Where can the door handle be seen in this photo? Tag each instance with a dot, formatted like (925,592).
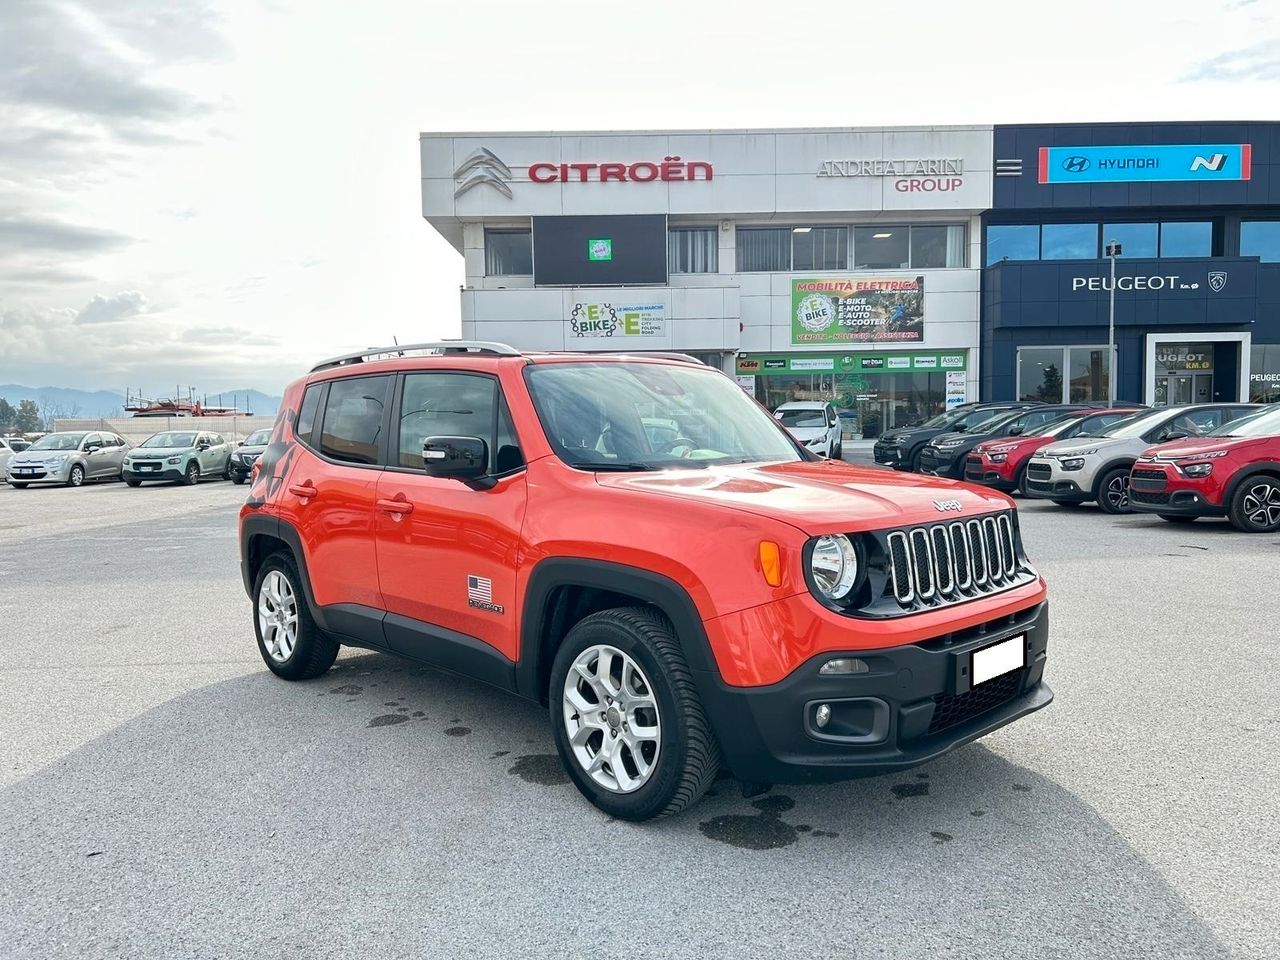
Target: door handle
(304,490)
(397,508)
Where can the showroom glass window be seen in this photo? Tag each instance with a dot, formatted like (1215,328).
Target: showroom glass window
(692,250)
(867,404)
(1063,374)
(766,249)
(881,248)
(1069,241)
(508,253)
(1016,241)
(1186,238)
(1264,373)
(1088,371)
(1261,239)
(1136,239)
(820,248)
(1040,374)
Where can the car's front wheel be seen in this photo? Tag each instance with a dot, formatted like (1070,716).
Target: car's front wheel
(1113,491)
(291,644)
(627,720)
(1255,506)
(192,475)
(134,483)
(76,477)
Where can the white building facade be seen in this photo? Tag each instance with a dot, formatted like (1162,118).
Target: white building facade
(838,264)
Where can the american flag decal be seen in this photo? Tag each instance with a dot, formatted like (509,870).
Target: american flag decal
(480,589)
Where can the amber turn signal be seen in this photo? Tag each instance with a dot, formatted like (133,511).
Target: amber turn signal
(771,563)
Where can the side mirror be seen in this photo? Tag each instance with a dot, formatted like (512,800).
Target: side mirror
(961,428)
(239,443)
(93,448)
(1015,431)
(203,447)
(1173,435)
(460,458)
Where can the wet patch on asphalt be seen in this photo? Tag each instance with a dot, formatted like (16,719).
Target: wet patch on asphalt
(388,720)
(541,768)
(764,831)
(904,790)
(457,731)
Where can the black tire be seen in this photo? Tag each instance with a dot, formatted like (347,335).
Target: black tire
(1176,518)
(314,652)
(226,470)
(1065,503)
(837,452)
(237,479)
(133,483)
(1113,491)
(1020,481)
(688,756)
(192,475)
(18,486)
(1255,506)
(915,461)
(75,478)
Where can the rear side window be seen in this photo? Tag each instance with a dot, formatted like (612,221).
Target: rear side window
(307,414)
(352,425)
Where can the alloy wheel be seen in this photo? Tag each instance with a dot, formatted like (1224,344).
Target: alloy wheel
(611,718)
(76,477)
(278,616)
(1118,492)
(1261,505)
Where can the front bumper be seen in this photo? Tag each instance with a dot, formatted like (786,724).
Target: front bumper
(914,704)
(1048,481)
(39,473)
(890,455)
(167,472)
(239,471)
(942,463)
(1155,489)
(999,476)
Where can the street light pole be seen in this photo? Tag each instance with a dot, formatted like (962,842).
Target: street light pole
(1113,251)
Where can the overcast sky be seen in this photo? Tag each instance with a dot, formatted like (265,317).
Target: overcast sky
(216,193)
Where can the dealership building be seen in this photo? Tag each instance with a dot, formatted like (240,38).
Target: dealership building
(896,271)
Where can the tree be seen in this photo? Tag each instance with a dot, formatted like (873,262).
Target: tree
(1051,390)
(27,419)
(7,416)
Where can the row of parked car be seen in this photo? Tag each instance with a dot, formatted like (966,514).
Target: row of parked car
(1179,462)
(73,458)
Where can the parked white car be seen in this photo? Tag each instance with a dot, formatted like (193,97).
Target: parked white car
(814,424)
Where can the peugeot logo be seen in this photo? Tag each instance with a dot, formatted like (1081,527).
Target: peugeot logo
(943,506)
(1217,280)
(482,167)
(1075,164)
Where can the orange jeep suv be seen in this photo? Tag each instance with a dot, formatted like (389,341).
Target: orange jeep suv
(636,544)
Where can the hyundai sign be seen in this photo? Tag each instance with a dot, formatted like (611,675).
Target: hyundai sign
(1137,164)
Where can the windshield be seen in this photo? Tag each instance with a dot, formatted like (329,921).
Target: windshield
(596,414)
(58,441)
(1262,423)
(802,418)
(259,438)
(1136,425)
(1055,427)
(171,440)
(943,420)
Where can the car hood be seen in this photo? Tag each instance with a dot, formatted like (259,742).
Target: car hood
(41,456)
(817,497)
(158,453)
(1101,444)
(1008,444)
(254,451)
(910,436)
(1195,445)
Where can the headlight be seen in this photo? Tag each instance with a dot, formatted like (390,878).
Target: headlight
(998,457)
(54,461)
(236,457)
(175,460)
(1075,463)
(833,566)
(1198,469)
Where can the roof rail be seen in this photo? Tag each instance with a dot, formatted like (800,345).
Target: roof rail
(485,347)
(681,357)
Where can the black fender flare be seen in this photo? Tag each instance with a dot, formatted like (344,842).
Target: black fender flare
(645,585)
(1126,462)
(257,525)
(1264,466)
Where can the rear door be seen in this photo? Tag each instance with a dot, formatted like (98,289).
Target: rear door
(328,493)
(447,550)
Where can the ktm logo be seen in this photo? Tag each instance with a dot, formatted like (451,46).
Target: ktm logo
(1214,163)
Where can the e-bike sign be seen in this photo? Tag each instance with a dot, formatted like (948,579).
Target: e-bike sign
(1150,164)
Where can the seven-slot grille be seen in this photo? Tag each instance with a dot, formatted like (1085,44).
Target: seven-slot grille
(949,562)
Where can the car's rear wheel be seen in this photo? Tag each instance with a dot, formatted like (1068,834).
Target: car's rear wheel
(1113,491)
(627,720)
(192,475)
(291,644)
(76,477)
(1255,506)
(1176,518)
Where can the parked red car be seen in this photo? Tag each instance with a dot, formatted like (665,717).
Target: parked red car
(1233,472)
(1002,463)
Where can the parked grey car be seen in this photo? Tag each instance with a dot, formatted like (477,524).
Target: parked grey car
(246,454)
(67,458)
(185,456)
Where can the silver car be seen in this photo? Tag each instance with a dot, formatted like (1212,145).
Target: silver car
(1097,468)
(67,458)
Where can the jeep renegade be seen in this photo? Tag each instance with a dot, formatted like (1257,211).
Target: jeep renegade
(705,594)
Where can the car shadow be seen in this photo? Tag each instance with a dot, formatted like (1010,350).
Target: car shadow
(394,809)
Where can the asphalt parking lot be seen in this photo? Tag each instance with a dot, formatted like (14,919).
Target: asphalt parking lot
(164,796)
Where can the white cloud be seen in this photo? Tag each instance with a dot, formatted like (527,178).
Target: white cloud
(110,309)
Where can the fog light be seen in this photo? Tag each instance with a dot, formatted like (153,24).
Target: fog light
(823,715)
(844,665)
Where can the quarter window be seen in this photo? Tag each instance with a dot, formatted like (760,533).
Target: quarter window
(352,425)
(307,413)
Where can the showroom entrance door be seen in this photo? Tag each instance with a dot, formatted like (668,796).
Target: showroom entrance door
(1182,388)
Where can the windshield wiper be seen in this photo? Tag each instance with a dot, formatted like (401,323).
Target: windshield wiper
(611,465)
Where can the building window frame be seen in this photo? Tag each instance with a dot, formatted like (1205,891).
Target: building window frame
(492,267)
(676,249)
(1064,370)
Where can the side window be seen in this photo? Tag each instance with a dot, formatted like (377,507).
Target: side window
(307,413)
(217,440)
(1202,421)
(1038,419)
(455,405)
(89,439)
(352,424)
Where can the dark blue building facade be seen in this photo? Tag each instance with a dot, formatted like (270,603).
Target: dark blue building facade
(1195,209)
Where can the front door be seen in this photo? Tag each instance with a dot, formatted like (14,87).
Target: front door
(447,550)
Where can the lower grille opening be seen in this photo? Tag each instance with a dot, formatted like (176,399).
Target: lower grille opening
(952,709)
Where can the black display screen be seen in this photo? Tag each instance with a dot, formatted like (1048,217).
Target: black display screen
(600,251)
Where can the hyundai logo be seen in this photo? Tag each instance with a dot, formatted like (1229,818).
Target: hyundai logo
(1075,164)
(482,167)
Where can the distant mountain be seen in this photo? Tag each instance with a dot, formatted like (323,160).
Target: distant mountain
(68,402)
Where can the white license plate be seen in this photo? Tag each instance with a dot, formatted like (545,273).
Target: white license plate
(998,659)
(149,466)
